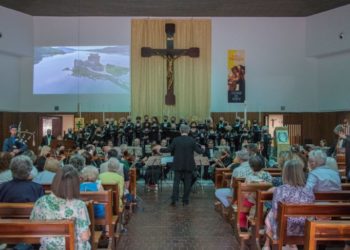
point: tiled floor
(156, 225)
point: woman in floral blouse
(63, 204)
(293, 190)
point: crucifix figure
(170, 54)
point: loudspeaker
(170, 28)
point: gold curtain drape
(192, 76)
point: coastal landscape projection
(82, 70)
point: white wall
(332, 55)
(17, 33)
(69, 31)
(277, 71)
(9, 82)
(293, 62)
(322, 32)
(16, 41)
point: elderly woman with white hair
(321, 178)
(90, 183)
(21, 188)
(114, 175)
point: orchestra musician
(69, 136)
(13, 144)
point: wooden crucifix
(170, 54)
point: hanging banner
(78, 123)
(236, 75)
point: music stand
(201, 161)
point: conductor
(182, 148)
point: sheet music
(166, 159)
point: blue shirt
(323, 179)
(99, 209)
(13, 142)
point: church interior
(101, 91)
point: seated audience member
(321, 178)
(258, 175)
(113, 176)
(40, 163)
(21, 188)
(33, 158)
(282, 158)
(293, 190)
(332, 164)
(112, 153)
(50, 168)
(88, 158)
(323, 143)
(5, 172)
(224, 195)
(64, 204)
(90, 183)
(77, 161)
(45, 151)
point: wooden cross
(170, 54)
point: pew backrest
(219, 176)
(316, 231)
(105, 198)
(29, 231)
(15, 210)
(115, 191)
(265, 196)
(286, 211)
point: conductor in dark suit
(182, 148)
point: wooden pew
(340, 158)
(15, 210)
(242, 190)
(274, 172)
(13, 231)
(226, 179)
(345, 186)
(219, 176)
(316, 231)
(46, 187)
(23, 211)
(95, 236)
(286, 211)
(266, 196)
(115, 190)
(110, 220)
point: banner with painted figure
(236, 76)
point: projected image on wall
(82, 70)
